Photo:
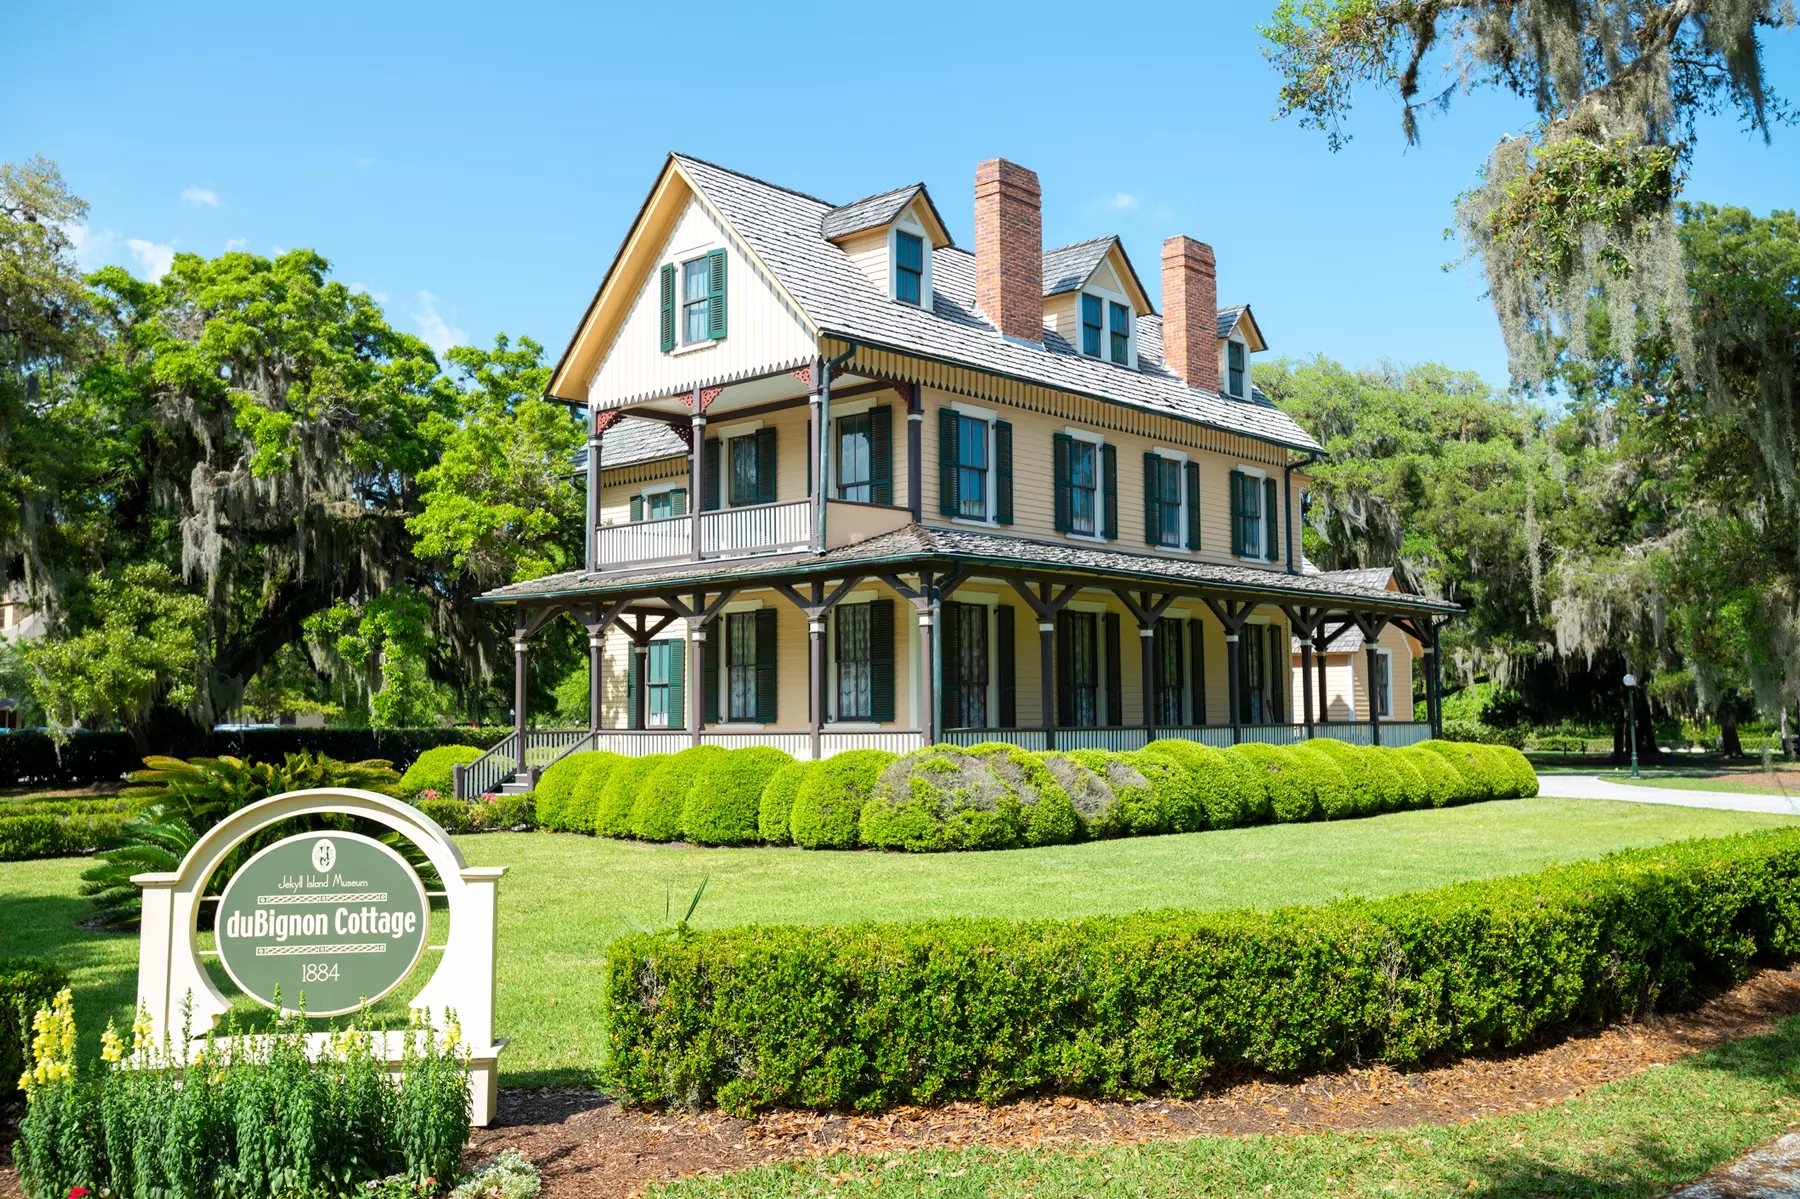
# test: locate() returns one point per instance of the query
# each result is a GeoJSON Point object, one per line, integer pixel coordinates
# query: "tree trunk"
{"type": "Point", "coordinates": [1730, 744]}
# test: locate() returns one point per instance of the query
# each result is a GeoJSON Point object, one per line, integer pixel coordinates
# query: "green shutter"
{"type": "Point", "coordinates": [668, 307]}
{"type": "Point", "coordinates": [1193, 505]}
{"type": "Point", "coordinates": [881, 455]}
{"type": "Point", "coordinates": [765, 466]}
{"type": "Point", "coordinates": [1115, 673]}
{"type": "Point", "coordinates": [677, 682]}
{"type": "Point", "coordinates": [637, 507]}
{"type": "Point", "coordinates": [678, 501]}
{"type": "Point", "coordinates": [709, 475]}
{"type": "Point", "coordinates": [715, 294]}
{"type": "Point", "coordinates": [1152, 500]}
{"type": "Point", "coordinates": [881, 660]}
{"type": "Point", "coordinates": [765, 666]}
{"type": "Point", "coordinates": [1109, 491]}
{"type": "Point", "coordinates": [631, 685]}
{"type": "Point", "coordinates": [1006, 663]}
{"type": "Point", "coordinates": [1237, 513]}
{"type": "Point", "coordinates": [1061, 446]}
{"type": "Point", "coordinates": [1272, 537]}
{"type": "Point", "coordinates": [947, 419]}
{"type": "Point", "coordinates": [709, 667]}
{"type": "Point", "coordinates": [1002, 472]}
{"type": "Point", "coordinates": [1065, 669]}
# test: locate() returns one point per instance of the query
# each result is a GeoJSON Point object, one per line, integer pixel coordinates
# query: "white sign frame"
{"type": "Point", "coordinates": [170, 972]}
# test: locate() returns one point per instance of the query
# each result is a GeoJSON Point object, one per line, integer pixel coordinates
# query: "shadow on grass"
{"type": "Point", "coordinates": [102, 965]}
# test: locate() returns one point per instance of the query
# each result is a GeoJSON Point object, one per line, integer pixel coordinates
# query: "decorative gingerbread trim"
{"type": "Point", "coordinates": [708, 395]}
{"type": "Point", "coordinates": [606, 420]}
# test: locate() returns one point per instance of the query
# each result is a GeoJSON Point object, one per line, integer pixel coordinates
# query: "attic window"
{"type": "Point", "coordinates": [1234, 367]}
{"type": "Point", "coordinates": [909, 267]}
{"type": "Point", "coordinates": [1121, 333]}
{"type": "Point", "coordinates": [1090, 325]}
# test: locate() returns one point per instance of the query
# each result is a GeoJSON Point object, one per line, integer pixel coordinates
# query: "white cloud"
{"type": "Point", "coordinates": [94, 248]}
{"type": "Point", "coordinates": [236, 243]}
{"type": "Point", "coordinates": [380, 297]}
{"type": "Point", "coordinates": [201, 195]}
{"type": "Point", "coordinates": [438, 333]}
{"type": "Point", "coordinates": [153, 260]}
{"type": "Point", "coordinates": [1123, 201]}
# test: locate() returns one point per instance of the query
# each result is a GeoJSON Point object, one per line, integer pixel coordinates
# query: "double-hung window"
{"type": "Point", "coordinates": [1234, 367]}
{"type": "Point", "coordinates": [971, 467]}
{"type": "Point", "coordinates": [1090, 325]}
{"type": "Point", "coordinates": [1168, 500]}
{"type": "Point", "coordinates": [855, 662]}
{"type": "Point", "coordinates": [659, 505]}
{"type": "Point", "coordinates": [1121, 333]}
{"type": "Point", "coordinates": [1084, 486]}
{"type": "Point", "coordinates": [1084, 668]}
{"type": "Point", "coordinates": [855, 445]}
{"type": "Point", "coordinates": [696, 300]}
{"type": "Point", "coordinates": [965, 665]}
{"type": "Point", "coordinates": [656, 684]}
{"type": "Point", "coordinates": [1167, 647]}
{"type": "Point", "coordinates": [743, 470]}
{"type": "Point", "coordinates": [740, 665]}
{"type": "Point", "coordinates": [909, 268]}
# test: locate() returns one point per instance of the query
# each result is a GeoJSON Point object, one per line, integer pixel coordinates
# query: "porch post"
{"type": "Point", "coordinates": [696, 702]}
{"type": "Point", "coordinates": [521, 652]}
{"type": "Point", "coordinates": [696, 457]}
{"type": "Point", "coordinates": [1306, 659]}
{"type": "Point", "coordinates": [640, 699]}
{"type": "Point", "coordinates": [1324, 695]}
{"type": "Point", "coordinates": [928, 668]}
{"type": "Point", "coordinates": [1234, 655]}
{"type": "Point", "coordinates": [1047, 675]}
{"type": "Point", "coordinates": [1369, 676]}
{"type": "Point", "coordinates": [915, 463]}
{"type": "Point", "coordinates": [1147, 650]}
{"type": "Point", "coordinates": [591, 536]}
{"type": "Point", "coordinates": [596, 645]}
{"type": "Point", "coordinates": [819, 449]}
{"type": "Point", "coordinates": [815, 627]}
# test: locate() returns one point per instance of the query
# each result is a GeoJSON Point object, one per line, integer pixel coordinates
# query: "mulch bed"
{"type": "Point", "coordinates": [590, 1148]}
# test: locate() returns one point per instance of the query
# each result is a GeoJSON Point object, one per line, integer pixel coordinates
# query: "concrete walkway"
{"type": "Point", "coordinates": [1772, 1172]}
{"type": "Point", "coordinates": [1588, 786]}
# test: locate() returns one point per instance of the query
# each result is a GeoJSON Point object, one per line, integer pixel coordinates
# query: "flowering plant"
{"type": "Point", "coordinates": [428, 793]}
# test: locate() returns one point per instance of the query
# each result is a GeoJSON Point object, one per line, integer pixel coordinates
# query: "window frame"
{"type": "Point", "coordinates": [1385, 656]}
{"type": "Point", "coordinates": [1119, 338]}
{"type": "Point", "coordinates": [686, 304]}
{"type": "Point", "coordinates": [658, 649]}
{"type": "Point", "coordinates": [919, 276]}
{"type": "Point", "coordinates": [1261, 540]}
{"type": "Point", "coordinates": [1098, 327]}
{"type": "Point", "coordinates": [1093, 445]}
{"type": "Point", "coordinates": [727, 435]}
{"type": "Point", "coordinates": [1179, 460]}
{"type": "Point", "coordinates": [987, 417]}
{"type": "Point", "coordinates": [866, 610]}
{"type": "Point", "coordinates": [730, 666]}
{"type": "Point", "coordinates": [836, 491]}
{"type": "Point", "coordinates": [1236, 377]}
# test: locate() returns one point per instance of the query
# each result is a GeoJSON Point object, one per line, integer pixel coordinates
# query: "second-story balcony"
{"type": "Point", "coordinates": [729, 533]}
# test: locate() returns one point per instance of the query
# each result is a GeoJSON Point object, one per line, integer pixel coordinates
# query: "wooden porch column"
{"type": "Point", "coordinates": [928, 670]}
{"type": "Point", "coordinates": [1374, 714]}
{"type": "Point", "coordinates": [820, 449]}
{"type": "Point", "coordinates": [915, 462]}
{"type": "Point", "coordinates": [696, 458]}
{"type": "Point", "coordinates": [640, 699]}
{"type": "Point", "coordinates": [521, 658]}
{"type": "Point", "coordinates": [1234, 664]}
{"type": "Point", "coordinates": [815, 628]}
{"type": "Point", "coordinates": [592, 535]}
{"type": "Point", "coordinates": [1306, 689]}
{"type": "Point", "coordinates": [596, 648]}
{"type": "Point", "coordinates": [1047, 678]}
{"type": "Point", "coordinates": [1324, 695]}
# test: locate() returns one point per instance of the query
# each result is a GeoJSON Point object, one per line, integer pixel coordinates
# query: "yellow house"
{"type": "Point", "coordinates": [851, 485]}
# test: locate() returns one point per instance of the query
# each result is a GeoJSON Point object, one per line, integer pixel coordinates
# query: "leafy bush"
{"type": "Point", "coordinates": [43, 835]}
{"type": "Point", "coordinates": [502, 812]}
{"type": "Point", "coordinates": [656, 813]}
{"type": "Point", "coordinates": [581, 811]}
{"type": "Point", "coordinates": [1048, 810]}
{"type": "Point", "coordinates": [830, 800]}
{"type": "Point", "coordinates": [1525, 779]}
{"type": "Point", "coordinates": [1135, 811]}
{"type": "Point", "coordinates": [1228, 789]}
{"type": "Point", "coordinates": [1415, 792]}
{"type": "Point", "coordinates": [219, 1124]}
{"type": "Point", "coordinates": [1559, 743]}
{"type": "Point", "coordinates": [1338, 800]}
{"type": "Point", "coordinates": [509, 1176]}
{"type": "Point", "coordinates": [1477, 773]}
{"type": "Point", "coordinates": [26, 984]}
{"type": "Point", "coordinates": [726, 796]}
{"type": "Point", "coordinates": [1477, 732]}
{"type": "Point", "coordinates": [1375, 786]}
{"type": "Point", "coordinates": [434, 770]}
{"type": "Point", "coordinates": [870, 1016]}
{"type": "Point", "coordinates": [554, 787]}
{"type": "Point", "coordinates": [1444, 784]}
{"type": "Point", "coordinates": [1293, 795]}
{"type": "Point", "coordinates": [776, 804]}
{"type": "Point", "coordinates": [618, 795]}
{"type": "Point", "coordinates": [1089, 794]}
{"type": "Point", "coordinates": [940, 797]}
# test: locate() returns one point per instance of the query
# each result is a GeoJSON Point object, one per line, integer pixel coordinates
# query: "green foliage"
{"type": "Point", "coordinates": [724, 802]}
{"type": "Point", "coordinates": [1374, 786]}
{"type": "Point", "coordinates": [434, 770]}
{"type": "Point", "coordinates": [1444, 784]}
{"type": "Point", "coordinates": [1228, 788]}
{"type": "Point", "coordinates": [1409, 780]}
{"type": "Point", "coordinates": [941, 797]}
{"type": "Point", "coordinates": [1337, 799]}
{"type": "Point", "coordinates": [554, 788]}
{"type": "Point", "coordinates": [661, 797]}
{"type": "Point", "coordinates": [56, 834]}
{"type": "Point", "coordinates": [1292, 795]}
{"type": "Point", "coordinates": [858, 1016]}
{"type": "Point", "coordinates": [1089, 794]}
{"type": "Point", "coordinates": [618, 795]}
{"type": "Point", "coordinates": [1525, 779]}
{"type": "Point", "coordinates": [1134, 811]}
{"type": "Point", "coordinates": [774, 812]}
{"type": "Point", "coordinates": [26, 984]}
{"type": "Point", "coordinates": [1476, 774]}
{"type": "Point", "coordinates": [509, 1176]}
{"type": "Point", "coordinates": [1049, 813]}
{"type": "Point", "coordinates": [497, 814]}
{"type": "Point", "coordinates": [383, 642]}
{"type": "Point", "coordinates": [830, 800]}
{"type": "Point", "coordinates": [581, 811]}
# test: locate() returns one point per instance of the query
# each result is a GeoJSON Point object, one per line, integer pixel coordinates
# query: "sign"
{"type": "Point", "coordinates": [332, 919]}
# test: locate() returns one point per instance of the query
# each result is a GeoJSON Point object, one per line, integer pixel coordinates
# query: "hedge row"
{"type": "Point", "coordinates": [45, 835]}
{"type": "Point", "coordinates": [26, 984]}
{"type": "Point", "coordinates": [998, 796]}
{"type": "Point", "coordinates": [32, 759]}
{"type": "Point", "coordinates": [872, 1016]}
{"type": "Point", "coordinates": [502, 813]}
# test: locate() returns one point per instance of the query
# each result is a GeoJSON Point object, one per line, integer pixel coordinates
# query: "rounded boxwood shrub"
{"type": "Point", "coordinates": [1444, 784]}
{"type": "Point", "coordinates": [1049, 811]}
{"type": "Point", "coordinates": [1089, 793]}
{"type": "Point", "coordinates": [1227, 787]}
{"type": "Point", "coordinates": [1525, 779]}
{"type": "Point", "coordinates": [612, 816]}
{"type": "Point", "coordinates": [1338, 799]}
{"type": "Point", "coordinates": [661, 797]}
{"type": "Point", "coordinates": [1293, 796]}
{"type": "Point", "coordinates": [1374, 787]}
{"type": "Point", "coordinates": [1502, 782]}
{"type": "Point", "coordinates": [582, 807]}
{"type": "Point", "coordinates": [775, 806]}
{"type": "Point", "coordinates": [1477, 781]}
{"type": "Point", "coordinates": [1134, 811]}
{"type": "Point", "coordinates": [555, 787]}
{"type": "Point", "coordinates": [831, 798]}
{"type": "Point", "coordinates": [1174, 789]}
{"type": "Point", "coordinates": [431, 770]}
{"type": "Point", "coordinates": [1415, 792]}
{"type": "Point", "coordinates": [723, 802]}
{"type": "Point", "coordinates": [941, 797]}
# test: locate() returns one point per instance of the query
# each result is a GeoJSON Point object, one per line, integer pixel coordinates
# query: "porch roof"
{"type": "Point", "coordinates": [914, 546]}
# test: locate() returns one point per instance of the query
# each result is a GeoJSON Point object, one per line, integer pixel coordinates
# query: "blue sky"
{"type": "Point", "coordinates": [475, 166]}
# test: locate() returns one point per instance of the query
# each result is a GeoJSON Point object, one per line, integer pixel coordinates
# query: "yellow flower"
{"type": "Point", "coordinates": [111, 1048]}
{"type": "Point", "coordinates": [452, 1034]}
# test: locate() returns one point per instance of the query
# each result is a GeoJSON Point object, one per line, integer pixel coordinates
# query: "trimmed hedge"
{"type": "Point", "coordinates": [656, 813]}
{"type": "Point", "coordinates": [1229, 789]}
{"type": "Point", "coordinates": [829, 802]}
{"type": "Point", "coordinates": [482, 815]}
{"type": "Point", "coordinates": [26, 984]}
{"type": "Point", "coordinates": [618, 795]}
{"type": "Point", "coordinates": [434, 770]}
{"type": "Point", "coordinates": [1048, 811]}
{"type": "Point", "coordinates": [1290, 780]}
{"type": "Point", "coordinates": [1374, 784]}
{"type": "Point", "coordinates": [941, 797]}
{"type": "Point", "coordinates": [554, 787]}
{"type": "Point", "coordinates": [47, 835]}
{"type": "Point", "coordinates": [776, 806]}
{"type": "Point", "coordinates": [725, 799]}
{"type": "Point", "coordinates": [581, 811]}
{"type": "Point", "coordinates": [875, 1015]}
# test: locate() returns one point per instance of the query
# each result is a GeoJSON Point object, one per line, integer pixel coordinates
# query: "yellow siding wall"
{"type": "Point", "coordinates": [1346, 680]}
{"type": "Point", "coordinates": [868, 250]}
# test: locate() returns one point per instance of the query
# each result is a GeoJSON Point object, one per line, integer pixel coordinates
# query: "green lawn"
{"type": "Point", "coordinates": [567, 896]}
{"type": "Point", "coordinates": [1748, 784]}
{"type": "Point", "coordinates": [1637, 1137]}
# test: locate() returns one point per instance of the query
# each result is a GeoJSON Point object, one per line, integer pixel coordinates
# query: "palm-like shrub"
{"type": "Point", "coordinates": [775, 807]}
{"type": "Point", "coordinates": [435, 769]}
{"type": "Point", "coordinates": [656, 813]}
{"type": "Point", "coordinates": [724, 802]}
{"type": "Point", "coordinates": [830, 800]}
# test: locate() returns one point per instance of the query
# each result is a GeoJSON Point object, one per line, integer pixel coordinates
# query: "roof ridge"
{"type": "Point", "coordinates": [892, 191]}
{"type": "Point", "coordinates": [792, 191]}
{"type": "Point", "coordinates": [1087, 241]}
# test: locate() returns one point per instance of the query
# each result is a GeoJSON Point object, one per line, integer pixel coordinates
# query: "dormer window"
{"type": "Point", "coordinates": [909, 267]}
{"type": "Point", "coordinates": [1121, 334]}
{"type": "Point", "coordinates": [1234, 368]}
{"type": "Point", "coordinates": [1090, 325]}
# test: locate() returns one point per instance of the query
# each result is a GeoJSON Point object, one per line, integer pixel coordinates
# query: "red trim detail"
{"type": "Point", "coordinates": [606, 420]}
{"type": "Point", "coordinates": [802, 373]}
{"type": "Point", "coordinates": [708, 395]}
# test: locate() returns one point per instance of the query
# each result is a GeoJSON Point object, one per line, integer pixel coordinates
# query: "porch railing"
{"type": "Point", "coordinates": [897, 741]}
{"type": "Point", "coordinates": [756, 528]}
{"type": "Point", "coordinates": [1023, 738]}
{"type": "Point", "coordinates": [487, 772]}
{"type": "Point", "coordinates": [797, 745]}
{"type": "Point", "coordinates": [1394, 733]}
{"type": "Point", "coordinates": [641, 541]}
{"type": "Point", "coordinates": [1120, 739]}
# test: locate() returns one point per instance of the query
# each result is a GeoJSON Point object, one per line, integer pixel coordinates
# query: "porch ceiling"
{"type": "Point", "coordinates": [915, 547]}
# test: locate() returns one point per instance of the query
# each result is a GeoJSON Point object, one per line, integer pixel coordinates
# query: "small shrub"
{"type": "Point", "coordinates": [830, 800]}
{"type": "Point", "coordinates": [618, 796]}
{"type": "Point", "coordinates": [1559, 743]}
{"type": "Point", "coordinates": [433, 769]}
{"type": "Point", "coordinates": [1228, 788]}
{"type": "Point", "coordinates": [940, 797]}
{"type": "Point", "coordinates": [724, 802]}
{"type": "Point", "coordinates": [1374, 786]}
{"type": "Point", "coordinates": [1444, 784]}
{"type": "Point", "coordinates": [1174, 789]}
{"type": "Point", "coordinates": [47, 835]}
{"type": "Point", "coordinates": [1293, 794]}
{"type": "Point", "coordinates": [1477, 777]}
{"type": "Point", "coordinates": [656, 813]}
{"type": "Point", "coordinates": [554, 788]}
{"type": "Point", "coordinates": [775, 808]}
{"type": "Point", "coordinates": [1415, 792]}
{"type": "Point", "coordinates": [1088, 793]}
{"type": "Point", "coordinates": [26, 984]}
{"type": "Point", "coordinates": [1049, 811]}
{"type": "Point", "coordinates": [1338, 800]}
{"type": "Point", "coordinates": [1134, 811]}
{"type": "Point", "coordinates": [581, 809]}
{"type": "Point", "coordinates": [1525, 779]}
{"type": "Point", "coordinates": [509, 1176]}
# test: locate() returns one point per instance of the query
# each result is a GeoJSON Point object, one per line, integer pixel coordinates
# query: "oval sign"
{"type": "Point", "coordinates": [337, 918]}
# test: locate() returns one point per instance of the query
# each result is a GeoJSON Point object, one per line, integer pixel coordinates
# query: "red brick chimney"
{"type": "Point", "coordinates": [1191, 312]}
{"type": "Point", "coordinates": [1009, 249]}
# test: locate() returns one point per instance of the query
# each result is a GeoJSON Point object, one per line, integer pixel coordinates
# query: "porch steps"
{"type": "Point", "coordinates": [514, 788]}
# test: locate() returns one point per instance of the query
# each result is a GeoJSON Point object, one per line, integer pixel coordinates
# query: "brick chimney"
{"type": "Point", "coordinates": [1191, 312]}
{"type": "Point", "coordinates": [1009, 249]}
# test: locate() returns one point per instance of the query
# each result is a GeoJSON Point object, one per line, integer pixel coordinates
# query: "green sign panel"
{"type": "Point", "coordinates": [336, 918]}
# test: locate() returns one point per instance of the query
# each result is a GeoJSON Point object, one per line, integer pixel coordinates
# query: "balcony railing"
{"type": "Point", "coordinates": [1394, 733]}
{"type": "Point", "coordinates": [726, 533]}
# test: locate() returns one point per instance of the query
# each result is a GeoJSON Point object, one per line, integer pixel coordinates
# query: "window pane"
{"type": "Point", "coordinates": [1121, 333]}
{"type": "Point", "coordinates": [1252, 504]}
{"type": "Point", "coordinates": [853, 458]}
{"type": "Point", "coordinates": [1083, 473]}
{"type": "Point", "coordinates": [656, 666]}
{"type": "Point", "coordinates": [694, 283]}
{"type": "Point", "coordinates": [910, 251]}
{"type": "Point", "coordinates": [740, 659]}
{"type": "Point", "coordinates": [1086, 681]}
{"type": "Point", "coordinates": [743, 470]}
{"type": "Point", "coordinates": [1090, 325]}
{"type": "Point", "coordinates": [968, 675]}
{"type": "Point", "coordinates": [662, 504]}
{"type": "Point", "coordinates": [1168, 488]}
{"type": "Point", "coordinates": [855, 674]}
{"type": "Point", "coordinates": [971, 458]}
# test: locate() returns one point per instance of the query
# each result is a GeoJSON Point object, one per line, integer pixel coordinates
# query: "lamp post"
{"type": "Point", "coordinates": [1631, 707]}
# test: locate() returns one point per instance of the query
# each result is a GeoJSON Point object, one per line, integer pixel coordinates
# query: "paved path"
{"type": "Point", "coordinates": [1772, 1172]}
{"type": "Point", "coordinates": [1587, 786]}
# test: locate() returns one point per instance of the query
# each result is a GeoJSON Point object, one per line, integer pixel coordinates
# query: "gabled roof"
{"type": "Point", "coordinates": [876, 212]}
{"type": "Point", "coordinates": [633, 440]}
{"type": "Point", "coordinates": [1068, 268]}
{"type": "Point", "coordinates": [1231, 318]}
{"type": "Point", "coordinates": [780, 227]}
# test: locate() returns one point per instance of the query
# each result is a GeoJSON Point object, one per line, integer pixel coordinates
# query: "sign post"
{"type": "Point", "coordinates": [334, 920]}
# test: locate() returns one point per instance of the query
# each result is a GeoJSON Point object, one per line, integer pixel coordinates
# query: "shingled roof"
{"type": "Point", "coordinates": [1068, 267]}
{"type": "Point", "coordinates": [632, 440]}
{"type": "Point", "coordinates": [782, 228]}
{"type": "Point", "coordinates": [870, 213]}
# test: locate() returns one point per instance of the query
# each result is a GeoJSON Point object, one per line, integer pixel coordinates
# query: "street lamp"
{"type": "Point", "coordinates": [1631, 707]}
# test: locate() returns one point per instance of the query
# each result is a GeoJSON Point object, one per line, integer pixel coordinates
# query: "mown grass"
{"type": "Point", "coordinates": [566, 897]}
{"type": "Point", "coordinates": [1747, 784]}
{"type": "Point", "coordinates": [1633, 1138]}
